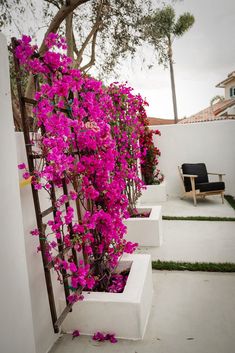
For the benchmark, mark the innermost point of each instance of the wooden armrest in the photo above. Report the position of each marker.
(190, 175)
(216, 173)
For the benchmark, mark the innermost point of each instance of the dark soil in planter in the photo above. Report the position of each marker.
(140, 214)
(117, 282)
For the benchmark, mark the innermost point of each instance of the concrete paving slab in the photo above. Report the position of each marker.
(191, 313)
(211, 206)
(195, 241)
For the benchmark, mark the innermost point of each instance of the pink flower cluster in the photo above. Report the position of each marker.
(98, 336)
(89, 141)
(101, 337)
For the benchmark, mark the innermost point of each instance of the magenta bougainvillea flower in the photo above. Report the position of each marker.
(90, 141)
(22, 166)
(101, 337)
(75, 334)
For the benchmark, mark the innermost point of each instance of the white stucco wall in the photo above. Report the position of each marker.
(16, 322)
(25, 321)
(212, 143)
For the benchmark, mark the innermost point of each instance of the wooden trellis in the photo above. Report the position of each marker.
(39, 213)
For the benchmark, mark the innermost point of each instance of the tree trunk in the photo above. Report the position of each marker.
(172, 82)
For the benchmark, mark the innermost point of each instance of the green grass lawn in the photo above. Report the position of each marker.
(230, 199)
(198, 218)
(193, 266)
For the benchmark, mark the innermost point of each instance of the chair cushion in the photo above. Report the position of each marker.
(213, 186)
(194, 169)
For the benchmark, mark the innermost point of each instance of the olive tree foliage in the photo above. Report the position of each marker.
(6, 9)
(102, 33)
(99, 33)
(12, 22)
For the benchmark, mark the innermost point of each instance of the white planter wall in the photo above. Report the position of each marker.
(154, 194)
(123, 314)
(146, 231)
(210, 142)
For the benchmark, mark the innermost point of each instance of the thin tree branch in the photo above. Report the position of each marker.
(92, 35)
(92, 60)
(86, 42)
(53, 2)
(75, 49)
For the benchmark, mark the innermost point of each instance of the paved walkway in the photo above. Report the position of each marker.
(210, 206)
(191, 313)
(195, 241)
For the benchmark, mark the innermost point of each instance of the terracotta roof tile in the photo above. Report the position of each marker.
(211, 113)
(158, 121)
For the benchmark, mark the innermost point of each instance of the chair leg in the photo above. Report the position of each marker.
(194, 199)
(193, 191)
(222, 196)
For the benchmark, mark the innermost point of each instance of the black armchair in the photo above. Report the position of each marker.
(196, 182)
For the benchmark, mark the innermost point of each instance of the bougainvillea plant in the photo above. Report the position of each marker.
(79, 146)
(127, 128)
(150, 153)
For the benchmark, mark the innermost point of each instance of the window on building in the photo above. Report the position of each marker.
(232, 92)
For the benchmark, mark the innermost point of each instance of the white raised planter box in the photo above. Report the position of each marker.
(153, 194)
(146, 231)
(123, 314)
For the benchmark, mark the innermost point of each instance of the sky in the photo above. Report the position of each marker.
(203, 57)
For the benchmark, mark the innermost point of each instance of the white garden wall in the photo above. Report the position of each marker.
(16, 321)
(212, 143)
(25, 320)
